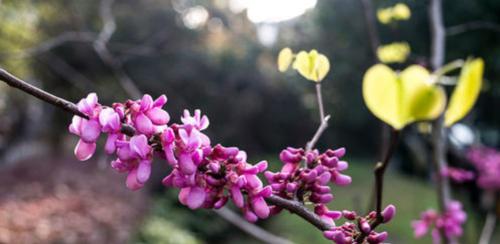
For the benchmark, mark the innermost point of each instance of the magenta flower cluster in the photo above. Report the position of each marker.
(357, 225)
(457, 174)
(450, 222)
(305, 176)
(487, 163)
(206, 176)
(209, 176)
(134, 154)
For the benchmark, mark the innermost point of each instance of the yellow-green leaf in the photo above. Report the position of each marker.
(285, 58)
(312, 66)
(381, 91)
(384, 16)
(396, 52)
(466, 92)
(422, 100)
(401, 11)
(402, 99)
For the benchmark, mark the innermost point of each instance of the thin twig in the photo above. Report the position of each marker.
(437, 34)
(322, 127)
(249, 228)
(320, 102)
(379, 172)
(488, 228)
(100, 47)
(68, 106)
(15, 82)
(474, 25)
(438, 48)
(301, 210)
(323, 120)
(371, 26)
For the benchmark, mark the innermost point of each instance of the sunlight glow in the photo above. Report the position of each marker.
(195, 17)
(272, 11)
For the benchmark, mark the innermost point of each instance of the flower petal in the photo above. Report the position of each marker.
(84, 151)
(143, 171)
(195, 198)
(90, 130)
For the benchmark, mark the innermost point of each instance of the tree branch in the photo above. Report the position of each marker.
(437, 34)
(371, 26)
(379, 172)
(301, 210)
(15, 82)
(488, 228)
(68, 106)
(474, 25)
(438, 48)
(250, 228)
(100, 47)
(323, 120)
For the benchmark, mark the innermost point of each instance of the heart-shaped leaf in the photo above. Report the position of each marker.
(313, 65)
(466, 92)
(285, 57)
(400, 99)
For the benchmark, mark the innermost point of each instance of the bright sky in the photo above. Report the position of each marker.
(272, 11)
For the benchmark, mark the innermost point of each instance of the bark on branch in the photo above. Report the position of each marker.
(301, 210)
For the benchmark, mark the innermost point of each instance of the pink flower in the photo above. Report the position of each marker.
(487, 163)
(450, 222)
(147, 115)
(312, 180)
(88, 130)
(110, 123)
(349, 231)
(458, 175)
(197, 120)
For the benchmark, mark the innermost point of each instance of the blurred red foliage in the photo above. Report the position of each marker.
(64, 201)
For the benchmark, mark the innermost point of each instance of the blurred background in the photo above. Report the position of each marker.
(218, 56)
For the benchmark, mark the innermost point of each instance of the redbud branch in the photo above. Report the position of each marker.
(438, 44)
(301, 210)
(324, 120)
(371, 26)
(489, 228)
(68, 106)
(320, 102)
(322, 127)
(15, 82)
(11, 80)
(379, 171)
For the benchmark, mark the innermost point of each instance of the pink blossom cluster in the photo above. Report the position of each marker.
(487, 163)
(450, 222)
(305, 176)
(206, 176)
(457, 174)
(134, 154)
(357, 225)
